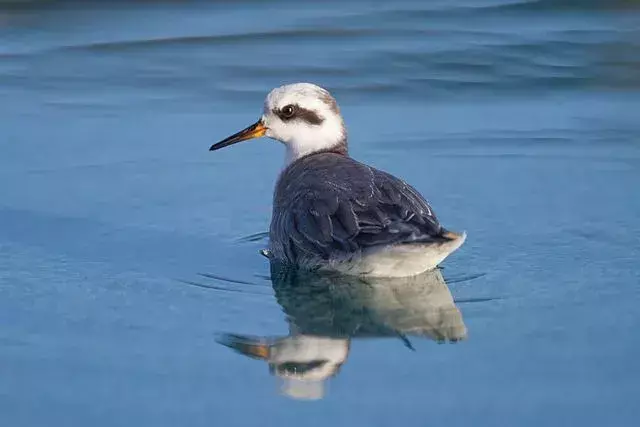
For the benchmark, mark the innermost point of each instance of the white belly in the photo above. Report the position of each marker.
(397, 261)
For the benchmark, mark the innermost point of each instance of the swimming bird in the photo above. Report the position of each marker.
(331, 212)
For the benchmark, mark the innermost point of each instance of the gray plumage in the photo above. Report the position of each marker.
(329, 207)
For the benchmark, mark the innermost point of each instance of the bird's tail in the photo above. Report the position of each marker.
(452, 235)
(453, 240)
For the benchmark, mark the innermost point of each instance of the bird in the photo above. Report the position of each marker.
(333, 213)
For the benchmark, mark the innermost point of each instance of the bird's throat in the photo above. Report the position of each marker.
(295, 152)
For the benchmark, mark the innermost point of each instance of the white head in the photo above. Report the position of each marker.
(303, 116)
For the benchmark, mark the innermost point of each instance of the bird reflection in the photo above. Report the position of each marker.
(326, 311)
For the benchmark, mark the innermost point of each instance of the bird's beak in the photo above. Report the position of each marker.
(256, 130)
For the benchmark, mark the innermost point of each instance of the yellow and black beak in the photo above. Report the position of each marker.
(256, 130)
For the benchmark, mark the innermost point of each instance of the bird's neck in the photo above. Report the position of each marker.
(295, 151)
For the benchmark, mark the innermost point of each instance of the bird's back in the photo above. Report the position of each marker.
(328, 208)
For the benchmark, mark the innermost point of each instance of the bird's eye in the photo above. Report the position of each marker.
(288, 111)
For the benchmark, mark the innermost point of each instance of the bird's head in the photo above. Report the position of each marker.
(303, 116)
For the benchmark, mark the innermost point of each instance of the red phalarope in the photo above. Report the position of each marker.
(331, 212)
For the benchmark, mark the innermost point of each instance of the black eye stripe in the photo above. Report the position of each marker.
(309, 116)
(300, 113)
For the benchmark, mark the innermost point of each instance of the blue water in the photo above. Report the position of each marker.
(125, 246)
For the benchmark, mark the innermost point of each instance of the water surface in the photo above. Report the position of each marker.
(124, 256)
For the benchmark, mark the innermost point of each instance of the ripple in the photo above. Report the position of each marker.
(262, 37)
(256, 237)
(220, 288)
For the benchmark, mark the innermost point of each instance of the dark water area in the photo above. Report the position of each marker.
(132, 290)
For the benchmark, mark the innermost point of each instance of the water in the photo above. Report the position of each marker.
(125, 246)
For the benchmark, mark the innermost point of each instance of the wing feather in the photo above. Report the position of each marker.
(330, 204)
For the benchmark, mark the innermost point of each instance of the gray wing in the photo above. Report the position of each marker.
(348, 207)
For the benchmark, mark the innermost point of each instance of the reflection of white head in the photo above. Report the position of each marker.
(304, 362)
(298, 389)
